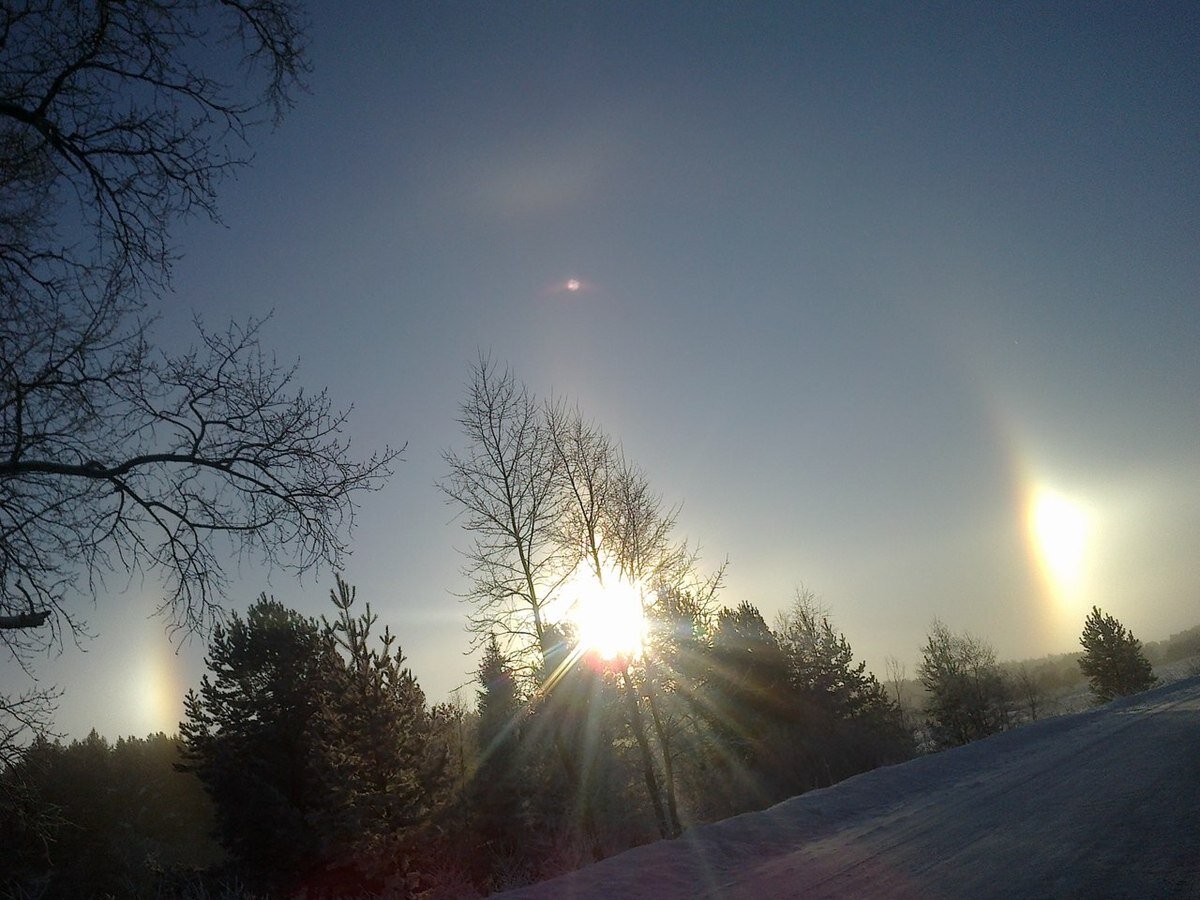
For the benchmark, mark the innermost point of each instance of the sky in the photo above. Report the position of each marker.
(900, 301)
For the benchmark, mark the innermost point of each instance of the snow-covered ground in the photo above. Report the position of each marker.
(1104, 803)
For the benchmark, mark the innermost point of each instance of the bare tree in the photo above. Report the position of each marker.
(545, 492)
(116, 120)
(505, 486)
(640, 531)
(589, 474)
(1029, 690)
(586, 461)
(616, 525)
(116, 458)
(897, 674)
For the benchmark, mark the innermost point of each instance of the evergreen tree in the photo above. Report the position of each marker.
(378, 756)
(123, 820)
(1112, 658)
(498, 702)
(843, 715)
(743, 698)
(316, 744)
(821, 663)
(500, 819)
(249, 737)
(564, 749)
(749, 675)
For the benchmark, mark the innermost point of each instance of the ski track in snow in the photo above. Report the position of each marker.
(1104, 803)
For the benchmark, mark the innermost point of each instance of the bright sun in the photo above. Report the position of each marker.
(608, 616)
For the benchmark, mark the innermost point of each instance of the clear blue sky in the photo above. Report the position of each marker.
(863, 282)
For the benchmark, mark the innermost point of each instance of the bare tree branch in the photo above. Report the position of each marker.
(505, 486)
(116, 119)
(116, 457)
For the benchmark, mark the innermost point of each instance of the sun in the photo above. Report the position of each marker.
(607, 616)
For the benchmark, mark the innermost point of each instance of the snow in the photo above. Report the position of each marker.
(1104, 803)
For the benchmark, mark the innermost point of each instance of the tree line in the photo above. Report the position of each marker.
(968, 695)
(311, 763)
(325, 770)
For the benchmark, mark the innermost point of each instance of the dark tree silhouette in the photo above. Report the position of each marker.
(122, 820)
(746, 703)
(249, 737)
(547, 495)
(847, 722)
(115, 121)
(317, 747)
(500, 819)
(1112, 659)
(115, 458)
(504, 485)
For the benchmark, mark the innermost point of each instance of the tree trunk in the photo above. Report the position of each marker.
(668, 765)
(639, 732)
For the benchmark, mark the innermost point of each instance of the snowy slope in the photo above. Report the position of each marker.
(1104, 803)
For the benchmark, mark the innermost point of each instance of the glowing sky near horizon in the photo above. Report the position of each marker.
(901, 302)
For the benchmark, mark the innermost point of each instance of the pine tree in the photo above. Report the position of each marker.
(377, 756)
(1112, 658)
(495, 793)
(821, 662)
(843, 714)
(122, 820)
(249, 737)
(317, 747)
(749, 676)
(741, 698)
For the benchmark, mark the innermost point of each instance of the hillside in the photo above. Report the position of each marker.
(1099, 803)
